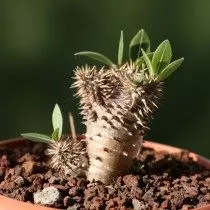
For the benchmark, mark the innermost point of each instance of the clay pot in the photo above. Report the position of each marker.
(8, 203)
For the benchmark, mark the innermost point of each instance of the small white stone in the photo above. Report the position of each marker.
(48, 196)
(137, 205)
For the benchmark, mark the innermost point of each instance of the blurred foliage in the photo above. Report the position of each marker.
(39, 37)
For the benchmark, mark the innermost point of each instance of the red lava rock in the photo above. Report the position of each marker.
(7, 185)
(4, 162)
(29, 166)
(82, 183)
(207, 197)
(68, 201)
(46, 185)
(26, 157)
(165, 204)
(60, 187)
(97, 203)
(19, 170)
(204, 190)
(78, 199)
(48, 174)
(208, 180)
(37, 183)
(136, 192)
(73, 191)
(165, 182)
(52, 179)
(19, 181)
(72, 182)
(130, 180)
(9, 173)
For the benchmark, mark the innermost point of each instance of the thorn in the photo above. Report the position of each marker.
(140, 112)
(155, 104)
(130, 134)
(125, 154)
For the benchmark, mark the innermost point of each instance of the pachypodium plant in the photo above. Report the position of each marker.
(65, 154)
(118, 101)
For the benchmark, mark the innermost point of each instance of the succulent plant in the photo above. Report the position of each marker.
(66, 154)
(118, 101)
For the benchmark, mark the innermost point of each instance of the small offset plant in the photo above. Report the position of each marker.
(65, 153)
(118, 101)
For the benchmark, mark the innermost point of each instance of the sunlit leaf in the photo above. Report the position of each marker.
(120, 49)
(37, 137)
(96, 56)
(57, 120)
(139, 41)
(170, 69)
(162, 56)
(148, 64)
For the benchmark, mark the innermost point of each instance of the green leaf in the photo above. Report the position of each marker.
(57, 120)
(170, 69)
(120, 49)
(96, 56)
(139, 41)
(37, 137)
(140, 61)
(55, 135)
(162, 56)
(148, 63)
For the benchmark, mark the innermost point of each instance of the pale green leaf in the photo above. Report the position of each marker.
(57, 120)
(148, 64)
(170, 69)
(55, 135)
(120, 49)
(96, 56)
(140, 61)
(139, 41)
(162, 56)
(37, 137)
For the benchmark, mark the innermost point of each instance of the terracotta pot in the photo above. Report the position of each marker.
(9, 204)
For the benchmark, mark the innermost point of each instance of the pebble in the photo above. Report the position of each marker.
(74, 207)
(130, 180)
(137, 205)
(48, 196)
(19, 181)
(52, 179)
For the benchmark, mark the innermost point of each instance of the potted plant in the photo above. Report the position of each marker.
(111, 166)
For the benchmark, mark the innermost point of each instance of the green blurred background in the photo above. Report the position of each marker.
(38, 39)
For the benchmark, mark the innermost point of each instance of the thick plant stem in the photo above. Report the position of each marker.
(110, 151)
(116, 111)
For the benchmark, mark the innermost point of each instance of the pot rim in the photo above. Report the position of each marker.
(7, 203)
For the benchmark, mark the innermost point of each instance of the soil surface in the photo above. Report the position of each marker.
(156, 181)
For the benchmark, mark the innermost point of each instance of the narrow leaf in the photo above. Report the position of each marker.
(148, 63)
(96, 56)
(120, 49)
(140, 61)
(170, 69)
(55, 135)
(162, 56)
(139, 41)
(57, 120)
(37, 137)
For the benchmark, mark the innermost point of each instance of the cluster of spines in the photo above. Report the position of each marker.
(128, 95)
(68, 156)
